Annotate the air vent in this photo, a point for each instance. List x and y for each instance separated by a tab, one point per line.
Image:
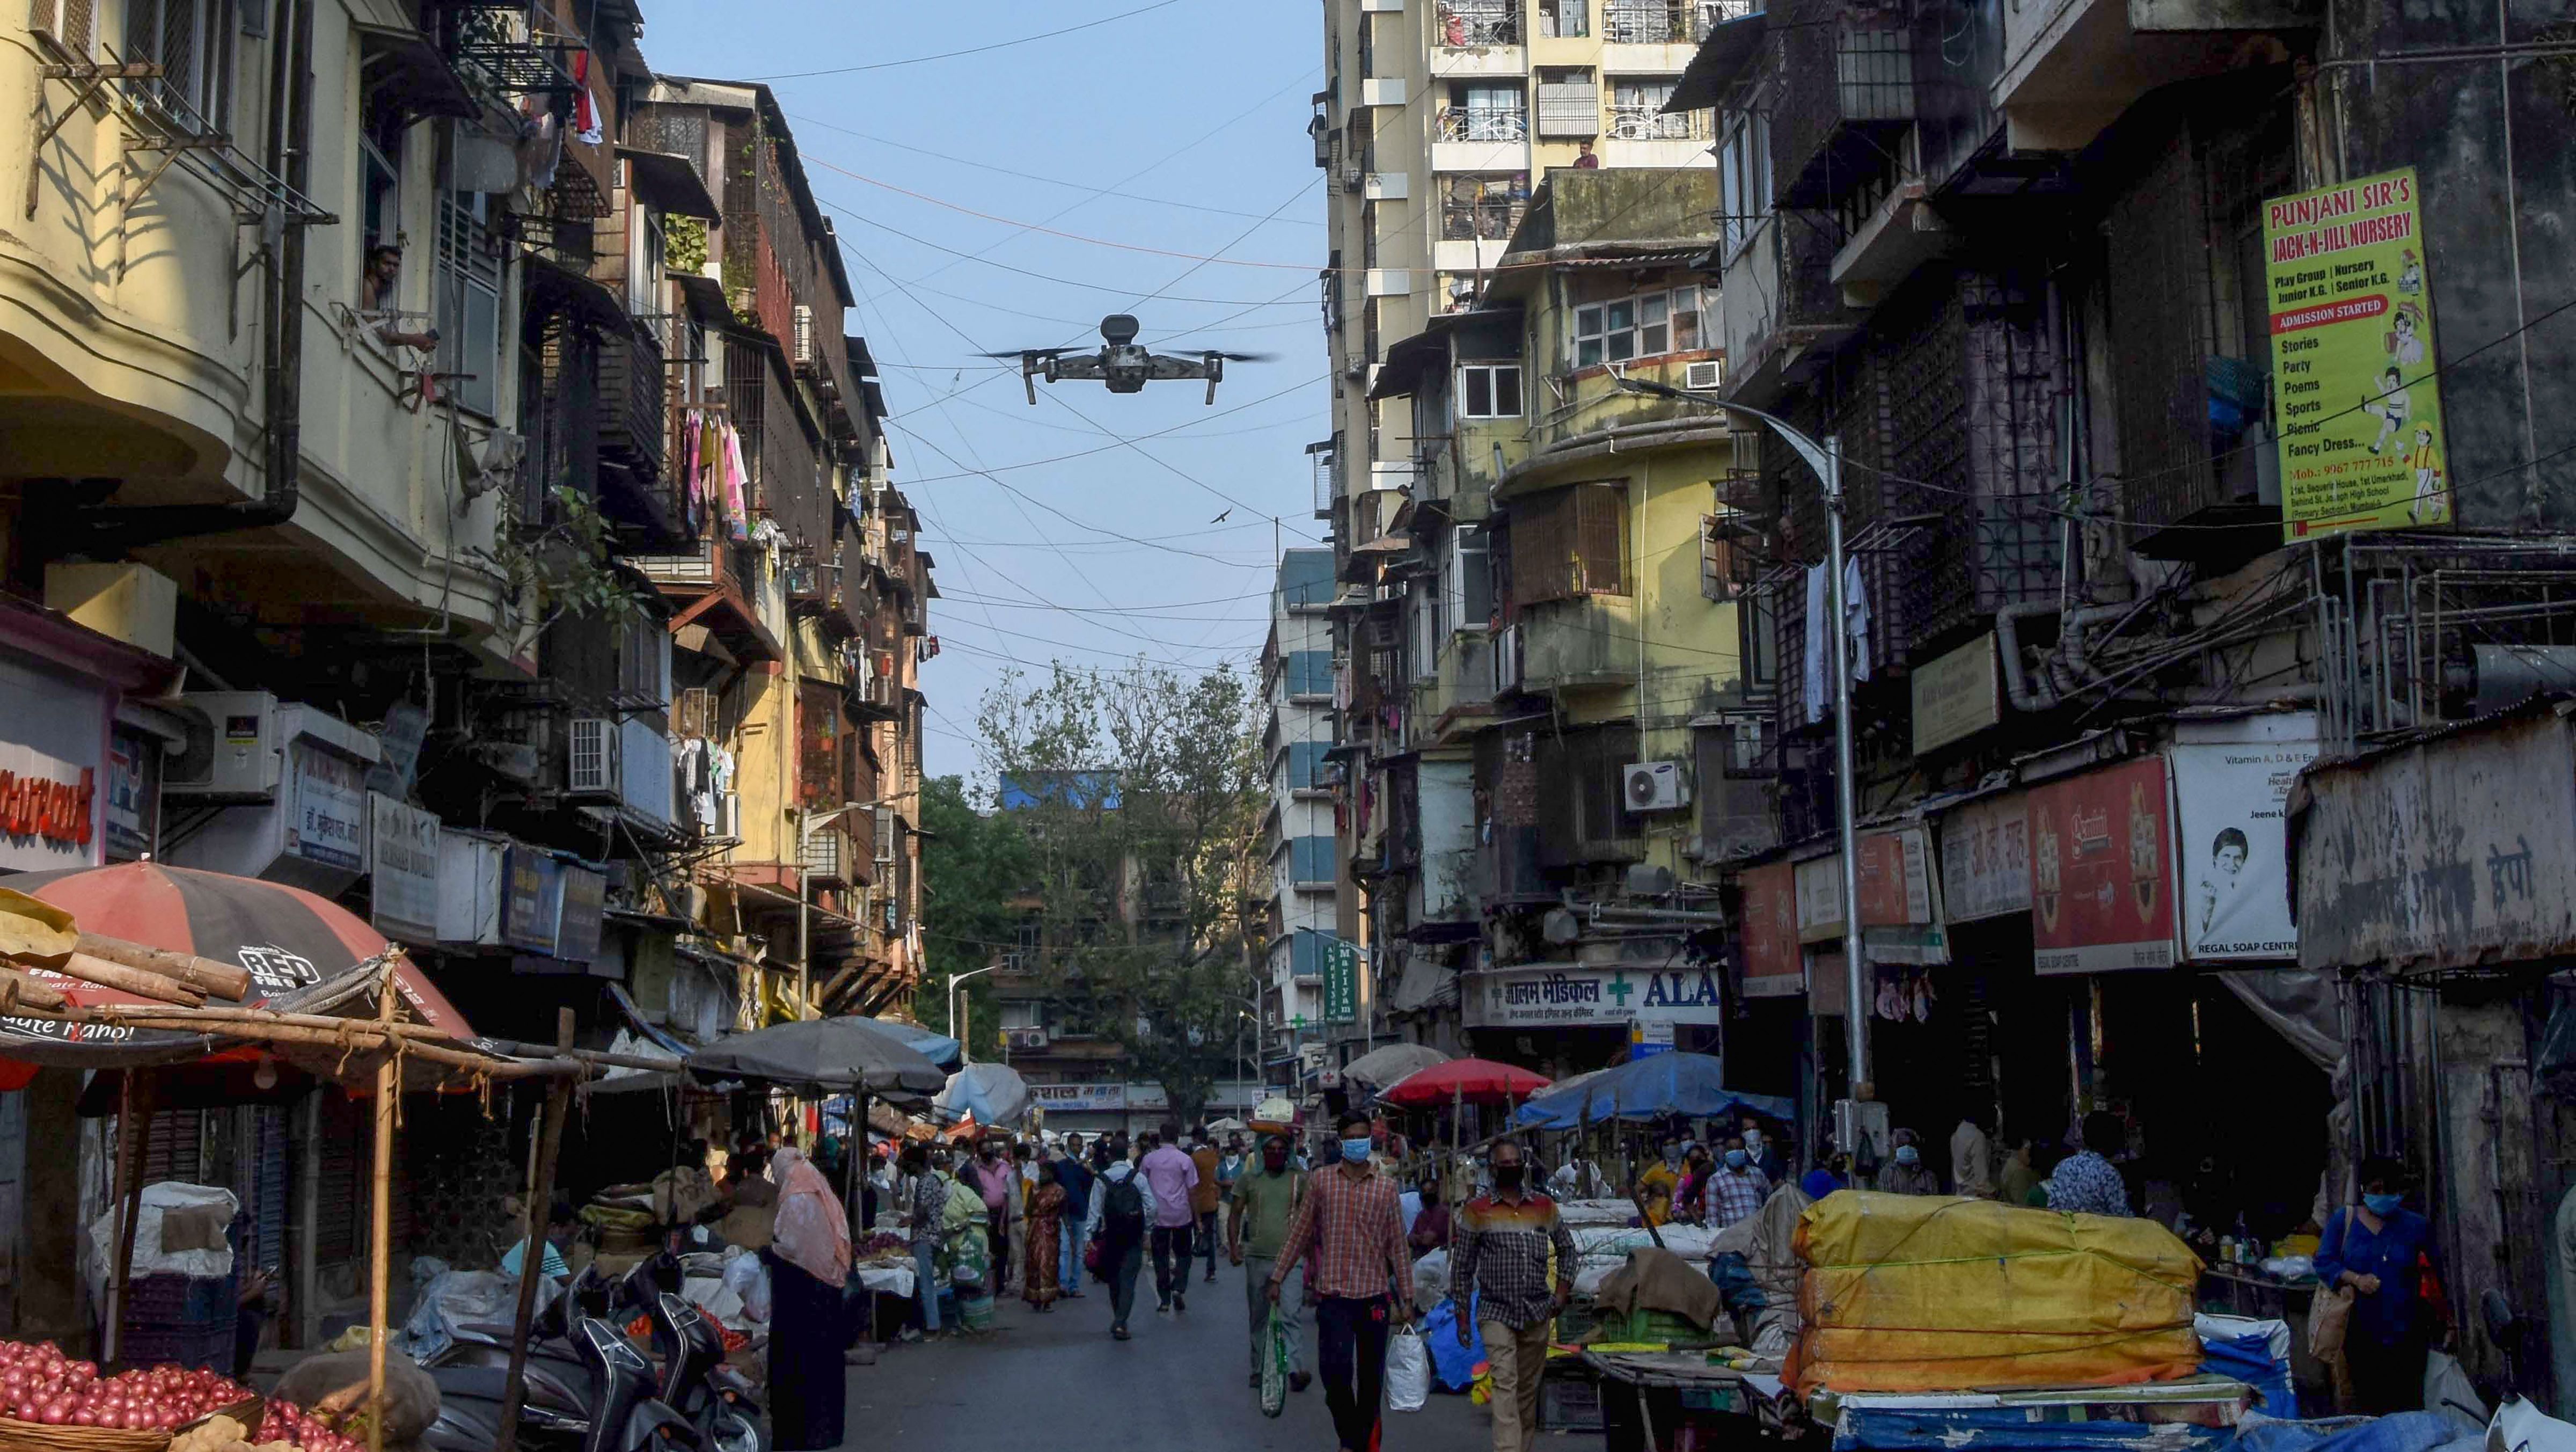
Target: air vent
1710	373
590	757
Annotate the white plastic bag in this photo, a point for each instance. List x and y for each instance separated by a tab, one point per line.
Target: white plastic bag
1408	1371
748	1279
2448	1390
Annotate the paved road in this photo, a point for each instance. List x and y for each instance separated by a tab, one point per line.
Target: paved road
1059	1381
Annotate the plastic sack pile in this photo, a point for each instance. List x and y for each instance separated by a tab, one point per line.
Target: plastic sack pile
1905	1293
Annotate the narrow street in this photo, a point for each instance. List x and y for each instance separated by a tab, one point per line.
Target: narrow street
1179	1383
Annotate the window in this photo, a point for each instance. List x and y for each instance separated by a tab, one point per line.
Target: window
1475	580
1306	766
192	42
1744	179
1728	545
1489	390
1565	19
67	21
1646	326
468	307
1637	111
1570	542
1487	113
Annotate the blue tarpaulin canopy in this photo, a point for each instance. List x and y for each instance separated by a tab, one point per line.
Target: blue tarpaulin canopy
1650	1088
938	1048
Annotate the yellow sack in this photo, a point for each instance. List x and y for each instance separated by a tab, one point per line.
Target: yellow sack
1928	1293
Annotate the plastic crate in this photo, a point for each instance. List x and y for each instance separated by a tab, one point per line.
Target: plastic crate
208	1346
1661	1327
1569	1399
1575	1320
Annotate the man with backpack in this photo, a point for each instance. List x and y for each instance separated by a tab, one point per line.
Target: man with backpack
1122	1205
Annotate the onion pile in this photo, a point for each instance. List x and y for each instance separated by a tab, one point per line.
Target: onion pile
39	1383
287	1422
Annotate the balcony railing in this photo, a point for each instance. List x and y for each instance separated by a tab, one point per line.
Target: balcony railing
633	421
1488	219
1644	121
1483	123
1665	22
1480	22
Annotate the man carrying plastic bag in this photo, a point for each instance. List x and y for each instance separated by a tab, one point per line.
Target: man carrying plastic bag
1508	1242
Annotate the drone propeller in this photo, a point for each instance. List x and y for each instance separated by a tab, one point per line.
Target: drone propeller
1220	353
1030	352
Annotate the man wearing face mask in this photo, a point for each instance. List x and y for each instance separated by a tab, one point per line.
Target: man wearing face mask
1765	1152
1736	1189
1504	1243
1905	1172
1256	1226
1656	1186
1351	1223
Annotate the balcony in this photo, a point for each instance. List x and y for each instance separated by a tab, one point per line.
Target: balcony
1478	23
2071	66
1779	311
1657	37
711	590
1641	135
1847	91
1481	138
1486	219
1578	644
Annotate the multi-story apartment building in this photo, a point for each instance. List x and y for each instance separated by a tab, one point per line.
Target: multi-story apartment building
367	378
1299	843
1439	120
1561	701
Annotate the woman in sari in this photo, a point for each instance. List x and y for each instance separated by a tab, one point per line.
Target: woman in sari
1039	1279
809	1262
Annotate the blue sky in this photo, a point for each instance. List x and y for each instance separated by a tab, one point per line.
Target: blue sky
1200	102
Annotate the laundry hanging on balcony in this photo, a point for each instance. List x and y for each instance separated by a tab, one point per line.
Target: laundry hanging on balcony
585	107
1814	677
735	481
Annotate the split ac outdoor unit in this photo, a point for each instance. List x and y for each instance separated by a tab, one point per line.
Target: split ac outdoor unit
1653	786
590	757
1025	1040
1708	374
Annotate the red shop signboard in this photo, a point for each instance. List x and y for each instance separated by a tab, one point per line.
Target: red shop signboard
2101	871
1772	964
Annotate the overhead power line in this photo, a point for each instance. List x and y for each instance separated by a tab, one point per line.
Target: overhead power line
971	50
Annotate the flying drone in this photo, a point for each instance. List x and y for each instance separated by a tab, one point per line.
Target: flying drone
1123	363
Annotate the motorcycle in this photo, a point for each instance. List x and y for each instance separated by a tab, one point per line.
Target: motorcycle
698	1385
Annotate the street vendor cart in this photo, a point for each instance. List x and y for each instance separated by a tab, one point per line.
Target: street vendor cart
1680	1401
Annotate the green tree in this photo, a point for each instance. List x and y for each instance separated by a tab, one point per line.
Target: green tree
1140	793
976	870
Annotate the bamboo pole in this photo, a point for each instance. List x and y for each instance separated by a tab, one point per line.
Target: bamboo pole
17	990
532	1259
129	1168
381	1218
105	974
221	980
351	1035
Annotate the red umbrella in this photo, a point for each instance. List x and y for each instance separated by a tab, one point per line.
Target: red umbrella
1468	1081
287	938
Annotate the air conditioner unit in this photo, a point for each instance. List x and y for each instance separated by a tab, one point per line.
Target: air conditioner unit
729	817
1710	373
237	743
1653	786
1025	1040
590	757
68	22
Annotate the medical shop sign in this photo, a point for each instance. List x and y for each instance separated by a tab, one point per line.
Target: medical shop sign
2357	411
1567	995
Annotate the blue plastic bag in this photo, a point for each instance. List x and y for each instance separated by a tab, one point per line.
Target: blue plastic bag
1453	1366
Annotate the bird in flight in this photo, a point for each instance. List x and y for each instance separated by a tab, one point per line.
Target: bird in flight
1222	518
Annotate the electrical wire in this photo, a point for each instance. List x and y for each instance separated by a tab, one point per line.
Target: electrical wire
971	50
1053	181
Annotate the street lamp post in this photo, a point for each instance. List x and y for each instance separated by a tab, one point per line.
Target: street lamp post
1827	460
964	1049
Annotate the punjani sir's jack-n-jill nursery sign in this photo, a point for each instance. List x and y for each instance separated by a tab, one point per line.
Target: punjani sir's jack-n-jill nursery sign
2358	412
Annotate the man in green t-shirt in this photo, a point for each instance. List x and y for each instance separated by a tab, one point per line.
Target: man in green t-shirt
1256	1225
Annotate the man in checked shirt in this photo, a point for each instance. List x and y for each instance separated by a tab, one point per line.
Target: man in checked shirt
1350	1219
1504	1240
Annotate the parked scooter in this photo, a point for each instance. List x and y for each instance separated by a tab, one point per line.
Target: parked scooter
621	1415
698	1385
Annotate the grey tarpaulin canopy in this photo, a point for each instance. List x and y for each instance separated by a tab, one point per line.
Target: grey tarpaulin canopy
820	1056
1381	1067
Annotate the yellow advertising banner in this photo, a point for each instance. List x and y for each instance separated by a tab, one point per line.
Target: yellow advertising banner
2359	412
